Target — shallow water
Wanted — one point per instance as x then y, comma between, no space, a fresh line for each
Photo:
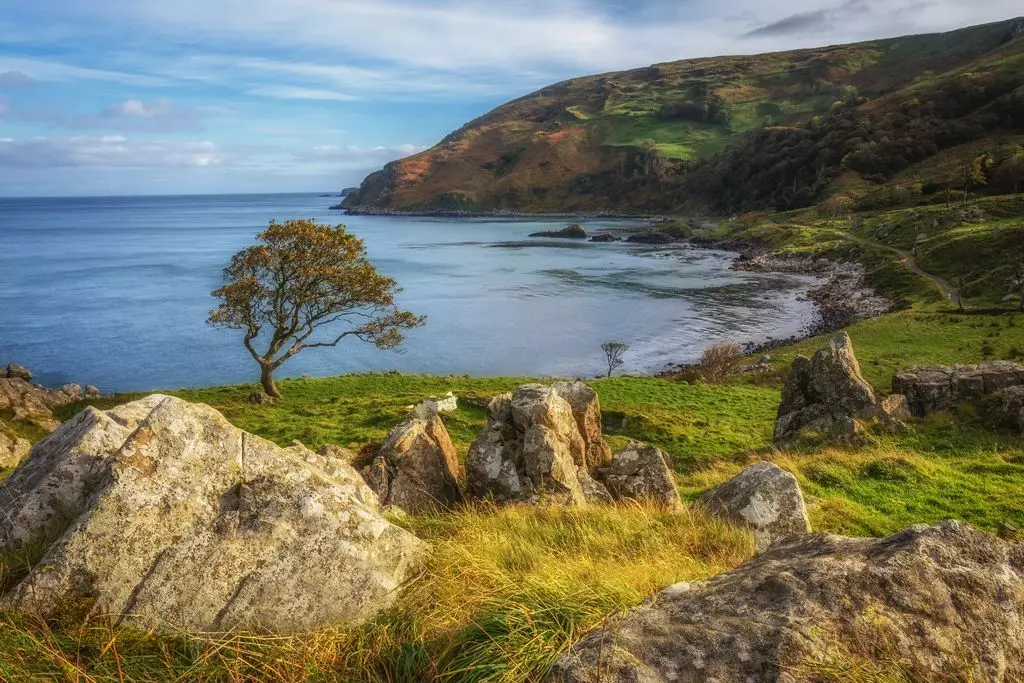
115,292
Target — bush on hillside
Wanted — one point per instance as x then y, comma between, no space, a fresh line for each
720,361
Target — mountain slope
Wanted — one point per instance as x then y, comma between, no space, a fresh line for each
722,134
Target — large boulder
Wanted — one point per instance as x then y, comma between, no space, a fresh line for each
935,388
183,520
416,469
586,408
945,602
531,451
825,395
765,498
639,472
1012,406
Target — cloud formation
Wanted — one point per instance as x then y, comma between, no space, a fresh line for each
109,151
14,79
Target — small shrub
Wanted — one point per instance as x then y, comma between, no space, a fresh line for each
720,361
896,470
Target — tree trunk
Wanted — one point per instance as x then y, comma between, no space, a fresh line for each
267,380
1021,309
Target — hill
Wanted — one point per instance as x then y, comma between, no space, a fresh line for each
730,134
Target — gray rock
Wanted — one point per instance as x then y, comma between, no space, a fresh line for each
825,395
532,451
574,231
944,601
92,391
190,522
15,371
936,388
1012,406
763,497
416,469
639,472
605,237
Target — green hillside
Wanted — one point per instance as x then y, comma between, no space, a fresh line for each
730,134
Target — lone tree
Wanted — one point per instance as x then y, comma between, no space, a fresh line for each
720,361
961,286
613,352
306,286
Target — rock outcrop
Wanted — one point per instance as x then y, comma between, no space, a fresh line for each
15,371
763,497
946,602
33,403
936,388
449,403
1012,406
532,450
574,231
416,469
827,396
639,472
163,511
13,448
586,409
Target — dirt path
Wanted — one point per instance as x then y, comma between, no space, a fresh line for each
908,260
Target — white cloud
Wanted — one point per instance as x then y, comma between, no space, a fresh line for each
50,70
290,92
109,151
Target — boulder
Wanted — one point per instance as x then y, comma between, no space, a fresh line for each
651,237
574,231
92,391
188,522
15,371
763,497
604,238
825,395
639,472
449,403
531,451
586,409
944,602
416,469
935,388
13,448
1012,406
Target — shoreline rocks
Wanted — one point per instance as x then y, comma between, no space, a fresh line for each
164,514
34,403
574,231
943,599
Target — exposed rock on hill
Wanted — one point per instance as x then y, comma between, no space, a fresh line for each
934,388
33,403
586,409
416,468
639,472
13,449
532,450
763,497
164,511
945,602
1012,406
15,371
825,394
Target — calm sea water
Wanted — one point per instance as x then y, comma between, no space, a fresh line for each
115,292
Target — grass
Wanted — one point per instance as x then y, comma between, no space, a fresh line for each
505,593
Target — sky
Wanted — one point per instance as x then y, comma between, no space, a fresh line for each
123,97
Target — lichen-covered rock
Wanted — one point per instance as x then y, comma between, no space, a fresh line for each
763,497
531,451
449,403
946,602
935,388
416,469
825,395
187,521
13,448
640,472
92,391
586,408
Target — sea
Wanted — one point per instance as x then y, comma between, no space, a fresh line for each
115,292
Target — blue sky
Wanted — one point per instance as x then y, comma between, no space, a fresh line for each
206,96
